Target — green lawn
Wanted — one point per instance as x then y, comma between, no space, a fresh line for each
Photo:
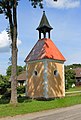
35,106
74,89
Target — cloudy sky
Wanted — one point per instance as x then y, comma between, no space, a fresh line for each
65,18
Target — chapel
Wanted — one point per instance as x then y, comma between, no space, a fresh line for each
45,66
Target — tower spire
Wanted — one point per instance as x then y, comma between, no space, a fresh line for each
44,26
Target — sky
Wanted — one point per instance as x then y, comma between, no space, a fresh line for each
65,18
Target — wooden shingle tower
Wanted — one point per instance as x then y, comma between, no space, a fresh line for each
45,66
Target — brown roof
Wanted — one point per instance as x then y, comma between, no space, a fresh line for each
44,48
78,72
22,76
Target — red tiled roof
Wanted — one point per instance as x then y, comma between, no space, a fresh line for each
44,48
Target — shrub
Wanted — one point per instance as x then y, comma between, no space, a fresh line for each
6,95
21,89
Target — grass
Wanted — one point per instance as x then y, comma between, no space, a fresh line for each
29,106
73,94
74,89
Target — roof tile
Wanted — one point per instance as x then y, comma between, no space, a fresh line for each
44,48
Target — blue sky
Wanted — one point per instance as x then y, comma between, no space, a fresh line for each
65,18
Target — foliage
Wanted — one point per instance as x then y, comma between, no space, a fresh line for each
4,101
21,89
70,74
73,66
19,70
4,4
36,3
6,95
69,78
24,68
4,84
24,99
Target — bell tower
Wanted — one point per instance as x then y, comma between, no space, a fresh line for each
44,27
45,66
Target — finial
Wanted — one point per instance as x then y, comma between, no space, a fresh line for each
43,11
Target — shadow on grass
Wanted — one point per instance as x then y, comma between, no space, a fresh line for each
21,99
28,99
4,101
44,99
25,99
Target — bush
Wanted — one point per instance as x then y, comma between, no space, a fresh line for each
24,99
6,95
4,84
2,90
21,89
4,101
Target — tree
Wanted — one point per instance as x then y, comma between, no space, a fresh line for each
73,66
35,3
9,9
69,78
4,84
19,70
